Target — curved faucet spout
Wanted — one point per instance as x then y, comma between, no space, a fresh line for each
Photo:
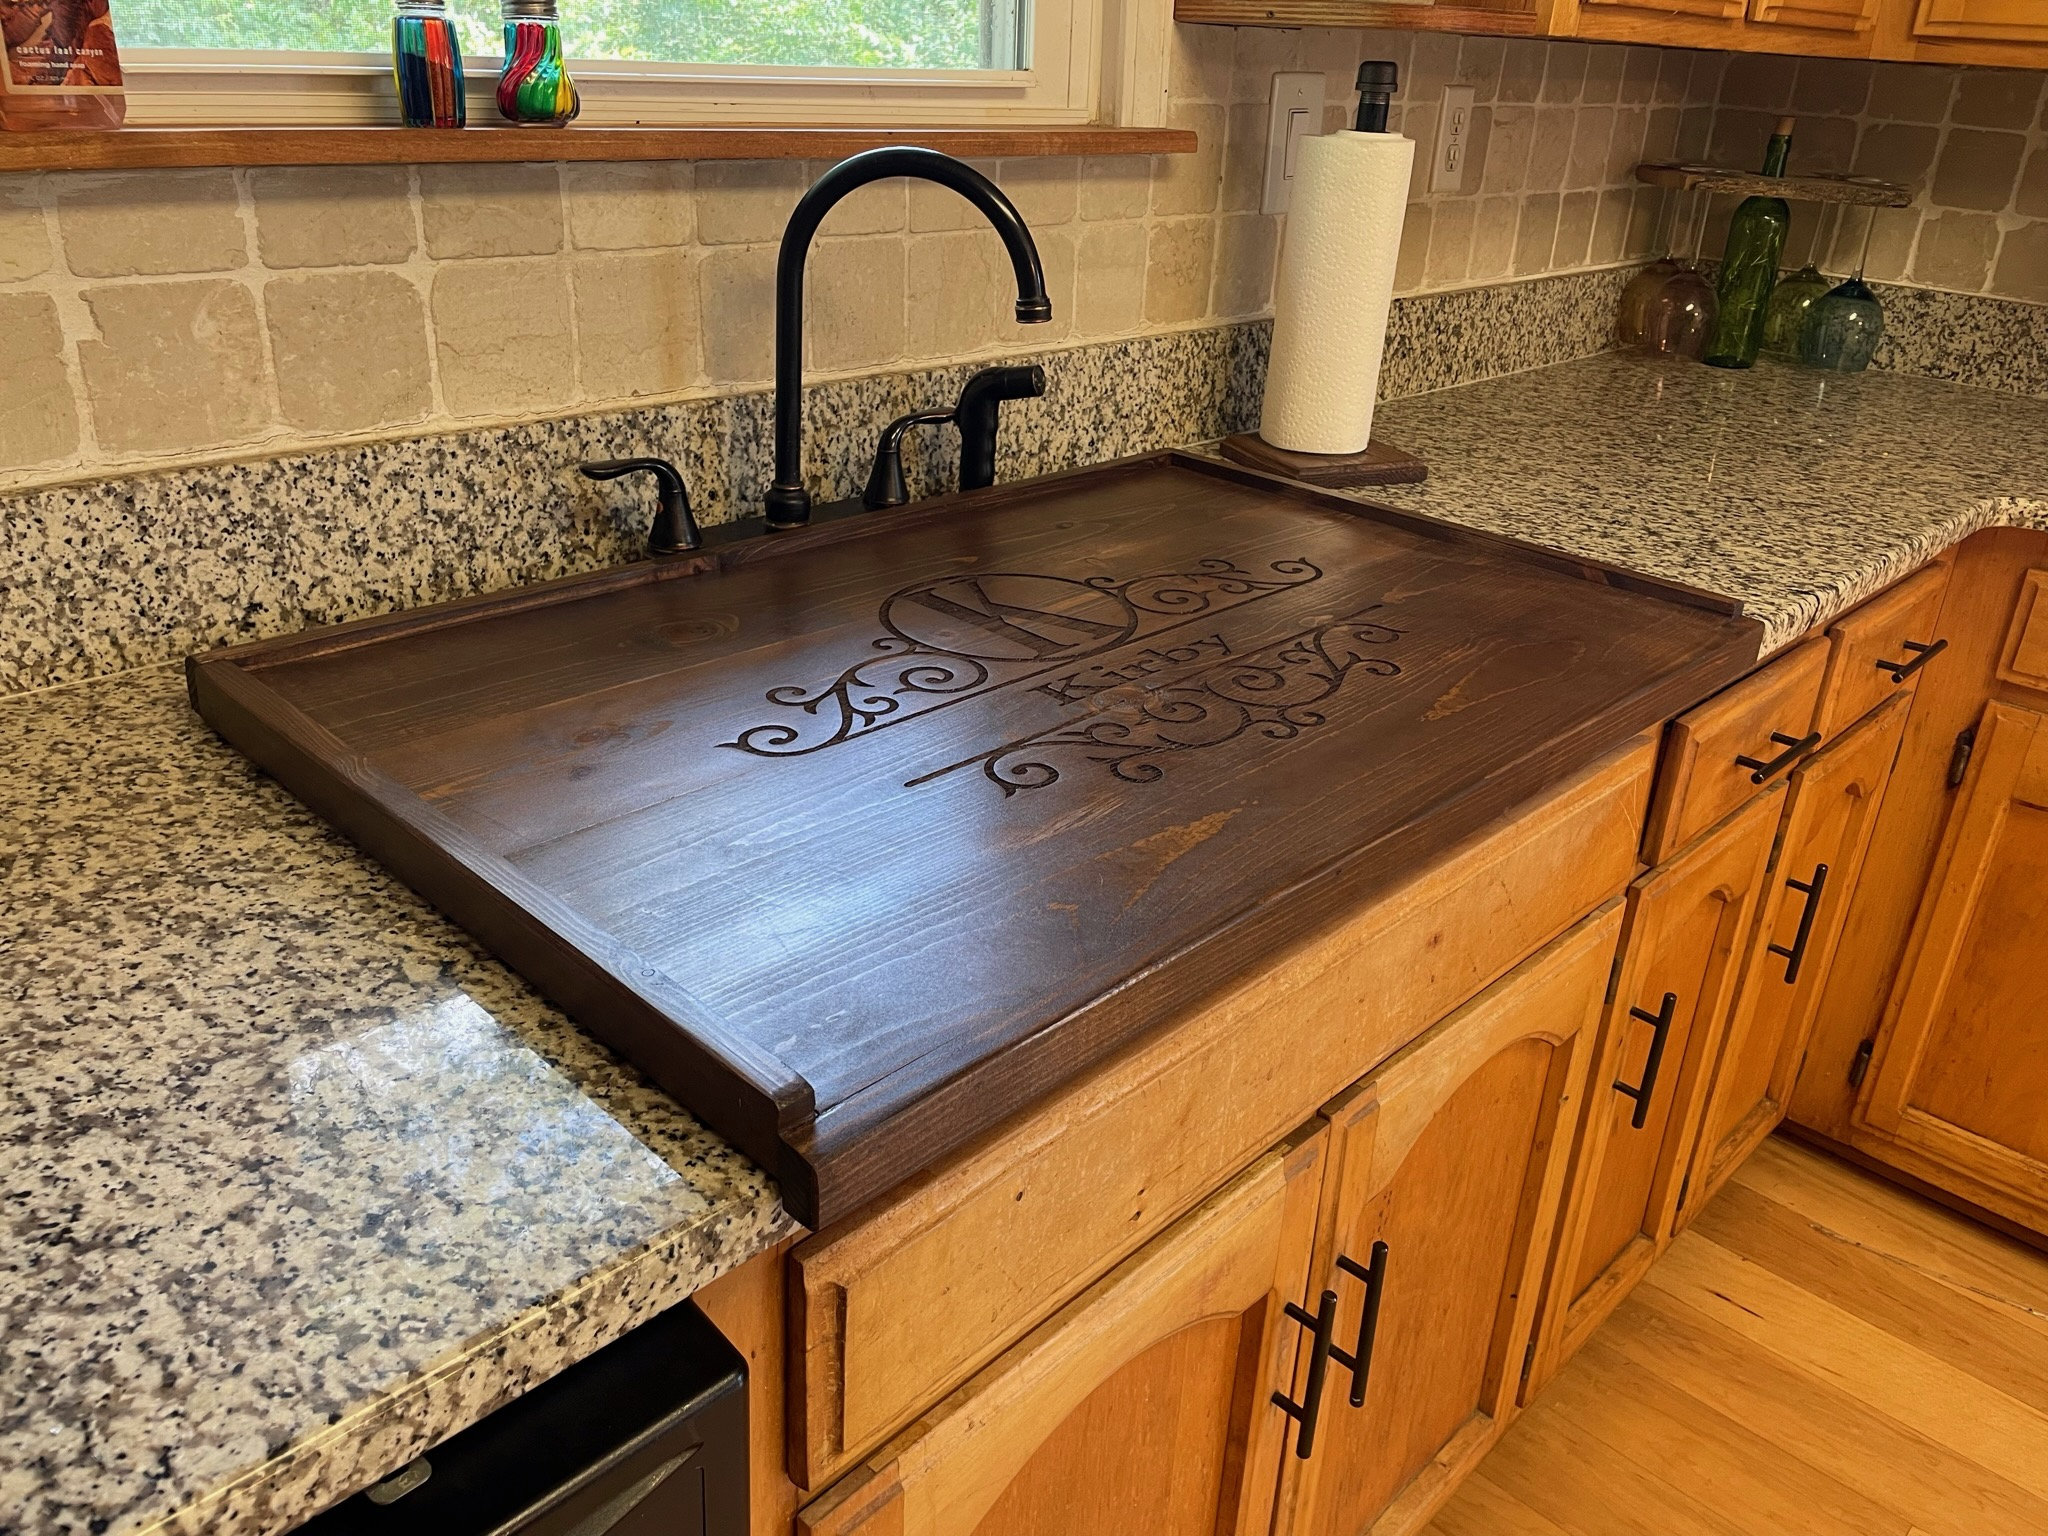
788,502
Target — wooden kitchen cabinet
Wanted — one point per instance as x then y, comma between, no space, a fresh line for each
1144,1405
1959,1082
1446,1171
1831,809
1832,15
1987,21
1681,958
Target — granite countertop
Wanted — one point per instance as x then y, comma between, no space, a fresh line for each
1798,492
297,1180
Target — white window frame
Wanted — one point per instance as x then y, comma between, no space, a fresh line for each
1092,61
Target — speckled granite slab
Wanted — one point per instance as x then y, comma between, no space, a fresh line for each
1797,492
126,572
294,1181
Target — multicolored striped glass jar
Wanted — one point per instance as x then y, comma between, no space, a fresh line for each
426,63
535,87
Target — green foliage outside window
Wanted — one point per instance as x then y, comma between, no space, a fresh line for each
884,34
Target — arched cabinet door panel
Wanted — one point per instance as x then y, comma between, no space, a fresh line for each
1446,1171
1145,1405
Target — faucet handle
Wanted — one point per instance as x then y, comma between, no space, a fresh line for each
675,530
981,399
886,486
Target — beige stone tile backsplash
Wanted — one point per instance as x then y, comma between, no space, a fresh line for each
164,317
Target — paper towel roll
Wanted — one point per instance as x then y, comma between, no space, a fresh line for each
1336,285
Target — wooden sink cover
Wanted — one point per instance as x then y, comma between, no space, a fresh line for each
861,839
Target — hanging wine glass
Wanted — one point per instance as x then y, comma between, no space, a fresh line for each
1681,314
1630,322
1793,299
1845,324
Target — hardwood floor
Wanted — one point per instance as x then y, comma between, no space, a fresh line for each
1820,1355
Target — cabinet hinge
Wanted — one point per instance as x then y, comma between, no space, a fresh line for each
1528,1359
1860,1065
1959,760
1684,1189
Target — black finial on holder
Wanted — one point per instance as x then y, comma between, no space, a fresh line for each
1378,79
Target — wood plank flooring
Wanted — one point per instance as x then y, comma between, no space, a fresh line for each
1822,1354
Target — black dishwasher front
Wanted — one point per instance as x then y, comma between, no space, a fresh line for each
647,1437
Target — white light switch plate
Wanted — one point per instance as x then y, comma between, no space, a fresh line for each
1296,114
1453,138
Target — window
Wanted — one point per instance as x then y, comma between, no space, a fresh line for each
904,62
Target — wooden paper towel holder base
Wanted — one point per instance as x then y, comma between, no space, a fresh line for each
1381,463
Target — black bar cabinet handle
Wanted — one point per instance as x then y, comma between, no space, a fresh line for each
1811,889
1358,1361
1321,1324
1795,747
1922,654
1640,1092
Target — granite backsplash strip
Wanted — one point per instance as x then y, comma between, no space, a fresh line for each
115,574
1966,338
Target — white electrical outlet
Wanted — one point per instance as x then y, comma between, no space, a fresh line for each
1453,138
1296,113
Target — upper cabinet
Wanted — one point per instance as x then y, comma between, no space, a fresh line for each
2008,33
1987,21
1828,15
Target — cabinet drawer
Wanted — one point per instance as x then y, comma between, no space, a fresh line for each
1719,754
901,1304
1880,650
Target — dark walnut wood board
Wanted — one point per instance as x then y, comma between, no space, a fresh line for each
861,839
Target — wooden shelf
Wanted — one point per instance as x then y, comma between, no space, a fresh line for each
1863,191
167,148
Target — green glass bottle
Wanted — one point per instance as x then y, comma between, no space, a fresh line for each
1749,266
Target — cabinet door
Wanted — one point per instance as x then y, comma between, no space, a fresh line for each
1961,1074
1146,1404
2005,21
1681,947
1831,810
1828,15
1446,1172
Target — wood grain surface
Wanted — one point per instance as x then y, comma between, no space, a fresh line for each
1822,1354
861,840
158,148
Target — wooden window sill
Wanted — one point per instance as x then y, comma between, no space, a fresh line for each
166,148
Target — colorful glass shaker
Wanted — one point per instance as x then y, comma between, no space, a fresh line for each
535,87
426,65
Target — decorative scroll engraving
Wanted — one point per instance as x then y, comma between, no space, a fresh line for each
1275,693
957,636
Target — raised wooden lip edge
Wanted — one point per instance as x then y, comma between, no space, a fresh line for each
772,1128
177,148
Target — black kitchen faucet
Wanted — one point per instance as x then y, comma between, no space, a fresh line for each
788,502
